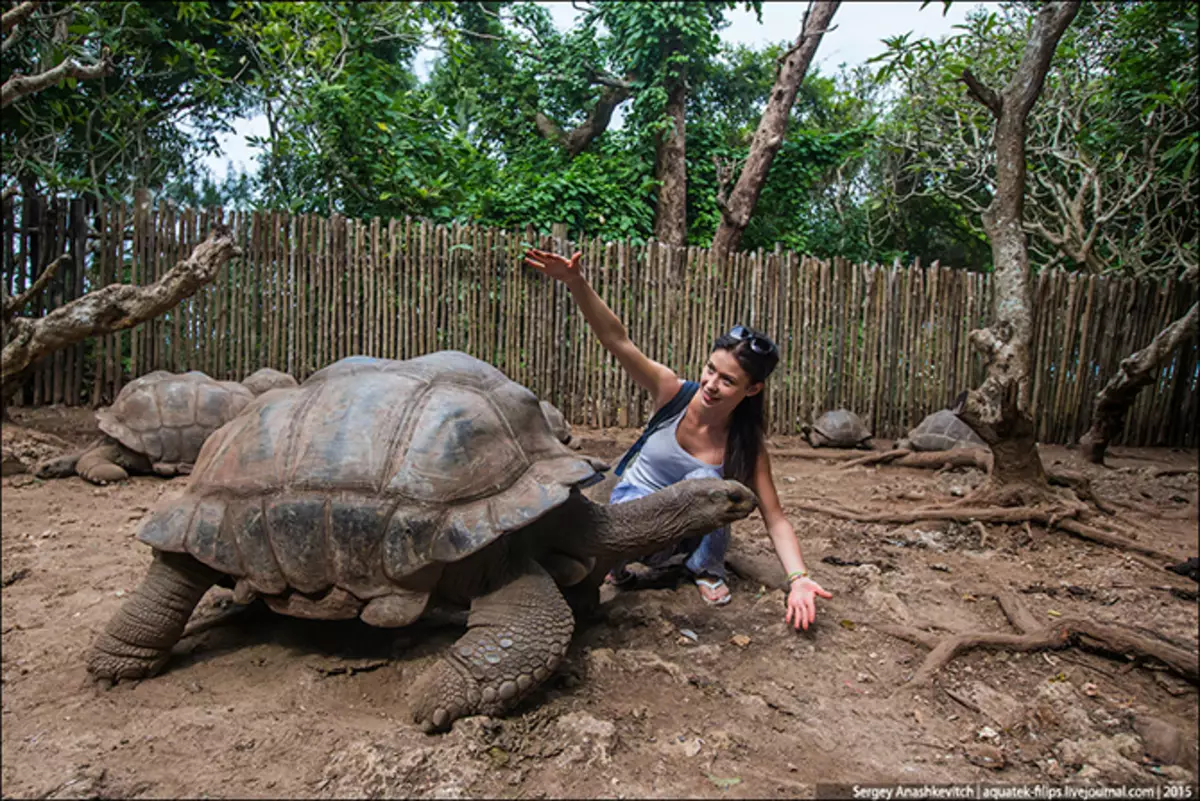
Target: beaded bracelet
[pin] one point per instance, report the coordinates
(796, 574)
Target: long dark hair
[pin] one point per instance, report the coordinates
(757, 355)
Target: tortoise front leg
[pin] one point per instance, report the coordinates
(109, 461)
(138, 640)
(516, 636)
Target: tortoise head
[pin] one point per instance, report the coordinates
(661, 519)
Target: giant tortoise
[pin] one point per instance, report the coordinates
(941, 431)
(157, 424)
(379, 485)
(840, 428)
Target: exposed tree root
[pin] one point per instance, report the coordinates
(1159, 472)
(1063, 633)
(932, 460)
(832, 454)
(1050, 518)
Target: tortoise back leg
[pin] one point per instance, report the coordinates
(137, 641)
(515, 638)
(109, 461)
(58, 466)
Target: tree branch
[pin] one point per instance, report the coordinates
(14, 305)
(19, 86)
(983, 94)
(16, 16)
(768, 137)
(113, 308)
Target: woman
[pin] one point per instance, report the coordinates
(718, 433)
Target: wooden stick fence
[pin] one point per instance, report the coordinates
(888, 342)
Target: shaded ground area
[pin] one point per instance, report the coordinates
(660, 695)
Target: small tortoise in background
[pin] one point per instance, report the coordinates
(941, 431)
(378, 486)
(157, 424)
(267, 379)
(840, 428)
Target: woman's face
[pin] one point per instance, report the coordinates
(724, 383)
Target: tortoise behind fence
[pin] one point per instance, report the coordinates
(378, 486)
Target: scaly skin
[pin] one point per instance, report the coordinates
(138, 640)
(109, 461)
(515, 639)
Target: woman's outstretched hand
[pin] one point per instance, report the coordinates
(801, 603)
(553, 265)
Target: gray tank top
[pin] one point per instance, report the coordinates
(663, 461)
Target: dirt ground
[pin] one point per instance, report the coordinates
(660, 695)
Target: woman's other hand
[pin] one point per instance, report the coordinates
(554, 265)
(802, 603)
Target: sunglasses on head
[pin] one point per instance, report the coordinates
(760, 345)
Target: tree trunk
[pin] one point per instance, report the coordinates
(999, 409)
(670, 169)
(1135, 372)
(736, 213)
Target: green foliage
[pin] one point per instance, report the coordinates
(603, 194)
(886, 161)
(174, 87)
(1111, 141)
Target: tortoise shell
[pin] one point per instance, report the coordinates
(557, 422)
(942, 431)
(267, 379)
(168, 416)
(369, 471)
(842, 428)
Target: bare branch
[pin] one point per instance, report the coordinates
(983, 94)
(613, 82)
(17, 15)
(113, 308)
(19, 86)
(14, 305)
(1136, 371)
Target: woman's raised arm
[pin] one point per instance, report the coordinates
(658, 379)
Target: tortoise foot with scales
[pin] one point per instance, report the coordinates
(378, 486)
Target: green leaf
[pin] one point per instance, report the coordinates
(382, 126)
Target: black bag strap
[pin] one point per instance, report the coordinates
(673, 407)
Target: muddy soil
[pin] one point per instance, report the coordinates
(660, 695)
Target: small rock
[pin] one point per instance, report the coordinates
(740, 640)
(985, 756)
(941, 566)
(957, 491)
(792, 768)
(863, 678)
(15, 576)
(1164, 743)
(987, 733)
(688, 633)
(691, 748)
